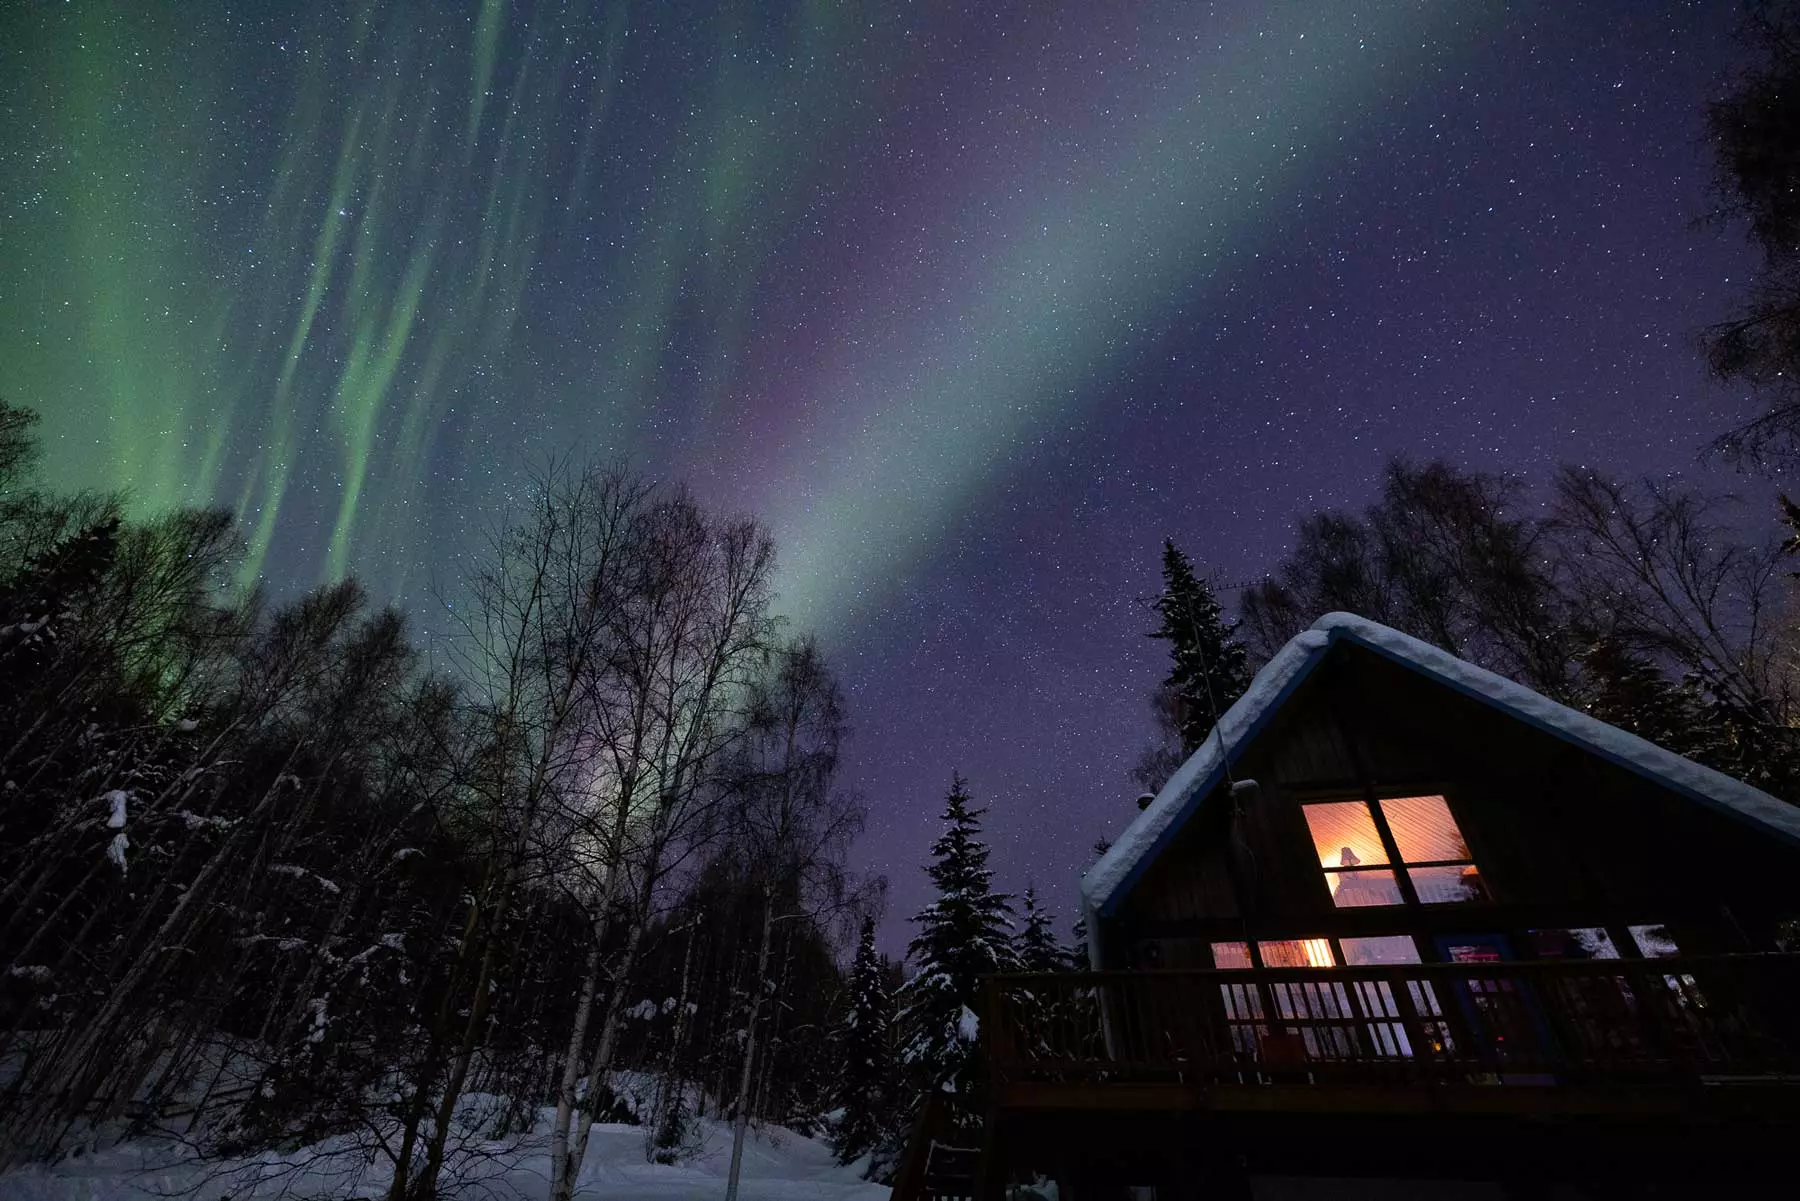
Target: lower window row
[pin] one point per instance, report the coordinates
(1576, 942)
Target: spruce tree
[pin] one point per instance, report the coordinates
(963, 935)
(1758, 158)
(37, 608)
(1078, 946)
(865, 1091)
(1628, 691)
(1032, 1010)
(1038, 949)
(1210, 670)
(1696, 717)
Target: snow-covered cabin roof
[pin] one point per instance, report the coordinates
(1106, 884)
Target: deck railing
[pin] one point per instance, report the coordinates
(1611, 1022)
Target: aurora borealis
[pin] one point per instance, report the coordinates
(973, 306)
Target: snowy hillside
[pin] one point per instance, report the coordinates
(778, 1166)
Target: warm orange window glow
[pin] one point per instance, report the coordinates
(1424, 830)
(1431, 848)
(1355, 890)
(1297, 952)
(1447, 885)
(1344, 834)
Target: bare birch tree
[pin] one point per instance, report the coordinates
(688, 632)
(539, 624)
(791, 827)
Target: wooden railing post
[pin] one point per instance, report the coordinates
(1460, 1032)
(996, 1034)
(1425, 1057)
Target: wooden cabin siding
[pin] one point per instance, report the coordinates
(1307, 749)
(1191, 882)
(1560, 836)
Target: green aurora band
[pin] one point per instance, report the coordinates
(351, 268)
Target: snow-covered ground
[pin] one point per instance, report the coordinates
(778, 1166)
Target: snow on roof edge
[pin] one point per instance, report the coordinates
(1195, 778)
(1164, 814)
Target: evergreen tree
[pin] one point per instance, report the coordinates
(1078, 949)
(1038, 949)
(1210, 670)
(1758, 160)
(1628, 691)
(1742, 739)
(18, 446)
(965, 934)
(865, 1091)
(40, 602)
(1697, 717)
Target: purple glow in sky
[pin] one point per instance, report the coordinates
(973, 306)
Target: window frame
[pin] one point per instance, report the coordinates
(1396, 864)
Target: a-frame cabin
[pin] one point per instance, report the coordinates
(1402, 927)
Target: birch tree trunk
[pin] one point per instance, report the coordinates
(565, 1162)
(563, 1187)
(740, 1123)
(566, 1098)
(669, 1098)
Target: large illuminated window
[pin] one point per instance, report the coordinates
(1361, 870)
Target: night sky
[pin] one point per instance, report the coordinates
(972, 304)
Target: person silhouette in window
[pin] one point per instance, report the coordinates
(1360, 888)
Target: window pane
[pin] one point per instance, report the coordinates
(1297, 952)
(1423, 829)
(1352, 890)
(1235, 955)
(1473, 952)
(1344, 833)
(1389, 948)
(1581, 942)
(1655, 941)
(1447, 885)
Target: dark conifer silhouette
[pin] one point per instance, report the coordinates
(963, 935)
(1210, 670)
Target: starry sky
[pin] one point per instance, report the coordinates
(972, 304)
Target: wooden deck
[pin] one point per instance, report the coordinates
(1628, 1077)
(1620, 1037)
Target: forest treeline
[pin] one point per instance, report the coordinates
(268, 879)
(266, 875)
(1653, 606)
